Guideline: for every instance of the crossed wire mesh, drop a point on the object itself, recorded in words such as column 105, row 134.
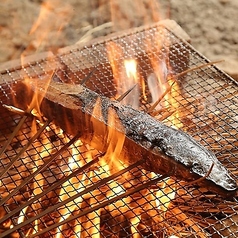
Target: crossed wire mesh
column 128, row 203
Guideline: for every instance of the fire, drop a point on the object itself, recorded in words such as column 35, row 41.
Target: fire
column 115, row 141
column 39, row 33
column 164, row 95
column 157, row 82
column 165, row 92
column 131, row 81
column 108, row 165
column 166, row 194
column 125, row 75
column 44, row 29
column 157, row 203
column 131, row 71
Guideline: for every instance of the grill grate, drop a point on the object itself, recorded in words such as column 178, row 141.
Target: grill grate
column 60, row 187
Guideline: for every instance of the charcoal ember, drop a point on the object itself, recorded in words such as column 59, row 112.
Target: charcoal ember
column 165, row 150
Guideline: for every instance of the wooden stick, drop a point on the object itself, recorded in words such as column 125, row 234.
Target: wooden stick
column 38, row 133
column 72, row 198
column 197, row 67
column 204, row 177
column 40, row 169
column 96, row 207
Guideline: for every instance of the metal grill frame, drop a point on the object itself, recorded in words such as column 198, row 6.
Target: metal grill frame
column 212, row 123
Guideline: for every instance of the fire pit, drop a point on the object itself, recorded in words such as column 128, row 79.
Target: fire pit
column 55, row 184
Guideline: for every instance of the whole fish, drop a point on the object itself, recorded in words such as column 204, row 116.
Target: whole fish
column 165, row 150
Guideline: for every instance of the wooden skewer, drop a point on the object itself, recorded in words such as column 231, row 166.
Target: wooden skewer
column 126, row 93
column 40, row 169
column 16, row 110
column 14, row 133
column 202, row 178
column 49, row 189
column 88, row 76
column 6, row 169
column 149, row 110
column 60, row 204
column 197, row 67
column 96, row 207
column 159, row 99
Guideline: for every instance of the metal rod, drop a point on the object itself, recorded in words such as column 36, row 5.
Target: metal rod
column 24, row 149
column 103, row 204
column 44, row 166
column 87, row 190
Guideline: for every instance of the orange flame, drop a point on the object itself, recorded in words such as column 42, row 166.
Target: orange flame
column 166, row 194
column 125, row 75
column 115, row 142
column 161, row 84
column 31, row 101
column 44, row 30
column 115, row 54
column 131, row 71
column 131, row 80
column 42, row 33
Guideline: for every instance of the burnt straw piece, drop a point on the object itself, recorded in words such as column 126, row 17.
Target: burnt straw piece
column 165, row 150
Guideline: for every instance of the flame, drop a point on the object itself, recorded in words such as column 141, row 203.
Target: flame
column 109, row 163
column 131, row 80
column 131, row 71
column 166, row 194
column 115, row 54
column 115, row 142
column 157, row 81
column 165, row 93
column 39, row 33
column 165, row 89
column 125, row 75
column 44, row 30
column 160, row 85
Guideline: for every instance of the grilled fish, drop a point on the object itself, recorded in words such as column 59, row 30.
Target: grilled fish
column 165, row 150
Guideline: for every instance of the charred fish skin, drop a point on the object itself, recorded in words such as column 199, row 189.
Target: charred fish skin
column 175, row 144
column 168, row 144
column 164, row 149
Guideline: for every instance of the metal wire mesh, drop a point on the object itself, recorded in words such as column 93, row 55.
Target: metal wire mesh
column 76, row 194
